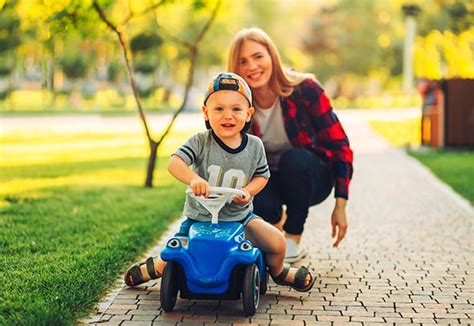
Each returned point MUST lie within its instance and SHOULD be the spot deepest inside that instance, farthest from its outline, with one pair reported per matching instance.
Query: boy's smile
(227, 112)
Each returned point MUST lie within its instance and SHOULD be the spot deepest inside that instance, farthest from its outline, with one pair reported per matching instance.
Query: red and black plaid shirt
(311, 123)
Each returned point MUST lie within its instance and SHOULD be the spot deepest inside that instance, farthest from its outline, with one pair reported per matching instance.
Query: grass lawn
(455, 167)
(73, 216)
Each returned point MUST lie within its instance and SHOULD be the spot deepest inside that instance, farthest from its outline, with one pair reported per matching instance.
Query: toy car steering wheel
(218, 197)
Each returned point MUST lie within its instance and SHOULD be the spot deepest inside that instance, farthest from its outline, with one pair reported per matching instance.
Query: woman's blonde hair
(282, 81)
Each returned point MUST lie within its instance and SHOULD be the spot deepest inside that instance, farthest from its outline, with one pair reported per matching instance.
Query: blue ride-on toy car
(216, 263)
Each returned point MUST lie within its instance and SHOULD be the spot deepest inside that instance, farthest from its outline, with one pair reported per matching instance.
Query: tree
(193, 49)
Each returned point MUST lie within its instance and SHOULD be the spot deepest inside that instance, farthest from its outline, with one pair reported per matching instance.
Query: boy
(226, 156)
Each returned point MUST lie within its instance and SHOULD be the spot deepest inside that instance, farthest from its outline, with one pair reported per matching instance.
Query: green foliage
(144, 66)
(145, 92)
(445, 55)
(455, 16)
(115, 71)
(74, 16)
(345, 39)
(145, 42)
(5, 69)
(10, 37)
(75, 66)
(4, 94)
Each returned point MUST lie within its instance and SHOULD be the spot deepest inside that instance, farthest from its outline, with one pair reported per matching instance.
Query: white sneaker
(294, 251)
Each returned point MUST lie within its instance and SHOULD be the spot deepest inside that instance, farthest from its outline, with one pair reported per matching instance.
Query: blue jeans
(303, 180)
(187, 222)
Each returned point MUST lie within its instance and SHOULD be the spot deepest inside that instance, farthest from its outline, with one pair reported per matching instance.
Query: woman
(307, 148)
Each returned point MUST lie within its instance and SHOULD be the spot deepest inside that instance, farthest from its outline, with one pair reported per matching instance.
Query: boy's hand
(200, 187)
(242, 200)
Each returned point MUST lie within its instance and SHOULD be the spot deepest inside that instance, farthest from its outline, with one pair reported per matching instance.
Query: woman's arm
(181, 171)
(339, 221)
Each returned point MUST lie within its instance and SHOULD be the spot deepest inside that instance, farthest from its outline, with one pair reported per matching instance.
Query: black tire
(264, 282)
(251, 289)
(169, 286)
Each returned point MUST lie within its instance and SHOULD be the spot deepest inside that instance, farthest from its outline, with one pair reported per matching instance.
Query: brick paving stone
(110, 323)
(447, 321)
(255, 321)
(398, 321)
(105, 317)
(123, 306)
(424, 321)
(120, 317)
(144, 317)
(288, 322)
(149, 302)
(305, 318)
(334, 319)
(281, 317)
(379, 272)
(116, 311)
(136, 323)
(318, 323)
(367, 319)
(148, 307)
(298, 312)
(327, 313)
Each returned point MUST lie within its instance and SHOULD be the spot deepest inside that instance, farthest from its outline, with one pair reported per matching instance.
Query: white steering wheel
(218, 197)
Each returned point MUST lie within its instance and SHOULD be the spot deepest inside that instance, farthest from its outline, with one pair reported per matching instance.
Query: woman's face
(255, 64)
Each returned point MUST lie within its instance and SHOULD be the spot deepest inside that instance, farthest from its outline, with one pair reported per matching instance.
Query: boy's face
(227, 112)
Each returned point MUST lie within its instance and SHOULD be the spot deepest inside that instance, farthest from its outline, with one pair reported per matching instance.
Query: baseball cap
(231, 82)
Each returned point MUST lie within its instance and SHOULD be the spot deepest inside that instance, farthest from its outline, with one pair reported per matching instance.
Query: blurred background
(60, 56)
(74, 157)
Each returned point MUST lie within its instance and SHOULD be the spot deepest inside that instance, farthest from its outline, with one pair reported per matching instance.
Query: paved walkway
(408, 256)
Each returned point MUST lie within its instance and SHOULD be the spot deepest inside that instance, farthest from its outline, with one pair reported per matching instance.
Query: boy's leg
(159, 267)
(269, 239)
(141, 271)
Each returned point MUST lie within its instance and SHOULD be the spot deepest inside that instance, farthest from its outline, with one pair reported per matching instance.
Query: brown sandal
(133, 276)
(299, 283)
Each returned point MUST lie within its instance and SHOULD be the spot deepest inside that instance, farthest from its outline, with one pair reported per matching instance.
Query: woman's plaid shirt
(311, 123)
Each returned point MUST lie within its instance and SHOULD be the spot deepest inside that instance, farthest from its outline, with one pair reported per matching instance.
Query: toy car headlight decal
(174, 243)
(246, 246)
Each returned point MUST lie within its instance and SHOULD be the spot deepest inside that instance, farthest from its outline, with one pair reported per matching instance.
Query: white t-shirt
(273, 132)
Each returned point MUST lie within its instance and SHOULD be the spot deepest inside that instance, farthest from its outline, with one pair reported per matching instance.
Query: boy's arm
(181, 171)
(252, 188)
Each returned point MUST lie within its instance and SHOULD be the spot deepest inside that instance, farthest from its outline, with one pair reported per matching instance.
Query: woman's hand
(243, 200)
(339, 221)
(199, 186)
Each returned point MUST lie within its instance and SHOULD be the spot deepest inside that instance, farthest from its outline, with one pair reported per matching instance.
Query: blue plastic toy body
(212, 252)
(217, 261)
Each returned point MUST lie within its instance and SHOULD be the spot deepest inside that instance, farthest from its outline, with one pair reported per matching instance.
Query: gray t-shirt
(223, 166)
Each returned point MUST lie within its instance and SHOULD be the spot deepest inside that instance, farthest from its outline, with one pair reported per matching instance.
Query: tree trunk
(151, 163)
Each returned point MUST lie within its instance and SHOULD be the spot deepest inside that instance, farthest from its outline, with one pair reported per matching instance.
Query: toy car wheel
(264, 282)
(169, 286)
(251, 289)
